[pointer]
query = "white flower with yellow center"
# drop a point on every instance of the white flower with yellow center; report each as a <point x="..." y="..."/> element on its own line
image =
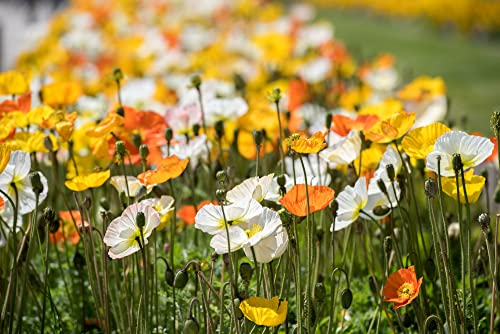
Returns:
<point x="134" y="185"/>
<point x="390" y="157"/>
<point x="350" y="202"/>
<point x="124" y="235"/>
<point x="473" y="150"/>
<point x="210" y="218"/>
<point x="165" y="208"/>
<point x="15" y="179"/>
<point x="345" y="151"/>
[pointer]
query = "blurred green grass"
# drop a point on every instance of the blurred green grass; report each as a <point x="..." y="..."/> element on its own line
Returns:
<point x="471" y="68"/>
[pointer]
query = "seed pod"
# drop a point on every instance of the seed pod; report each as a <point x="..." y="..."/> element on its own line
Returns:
<point x="181" y="279"/>
<point x="346" y="298"/>
<point x="191" y="326"/>
<point x="319" y="292"/>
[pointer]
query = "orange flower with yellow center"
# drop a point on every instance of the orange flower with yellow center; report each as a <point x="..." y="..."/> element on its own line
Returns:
<point x="169" y="168"/>
<point x="302" y="144"/>
<point x="402" y="287"/>
<point x="295" y="201"/>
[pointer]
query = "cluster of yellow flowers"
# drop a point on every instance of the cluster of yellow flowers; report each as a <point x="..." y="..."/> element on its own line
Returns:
<point x="467" y="15"/>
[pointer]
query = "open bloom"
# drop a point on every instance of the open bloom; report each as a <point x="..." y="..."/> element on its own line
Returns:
<point x="165" y="208"/>
<point x="124" y="235"/>
<point x="134" y="185"/>
<point x="419" y="142"/>
<point x="402" y="287"/>
<point x="302" y="144"/>
<point x="474" y="185"/>
<point x="345" y="151"/>
<point x="473" y="150"/>
<point x="265" y="312"/>
<point x="391" y="128"/>
<point x="169" y="168"/>
<point x="255" y="187"/>
<point x="15" y="179"/>
<point x="350" y="202"/>
<point x="295" y="201"/>
<point x="84" y="182"/>
<point x="390" y="157"/>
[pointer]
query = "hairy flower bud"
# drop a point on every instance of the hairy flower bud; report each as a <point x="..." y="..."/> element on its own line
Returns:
<point x="47" y="143"/>
<point x="381" y="210"/>
<point x="381" y="186"/>
<point x="49" y="215"/>
<point x="140" y="219"/>
<point x="181" y="279"/>
<point x="120" y="148"/>
<point x="169" y="134"/>
<point x="191" y="326"/>
<point x="328" y="121"/>
<point x="484" y="221"/>
<point x="120" y="111"/>
<point x="388" y="245"/>
<point x="246" y="272"/>
<point x="219" y="128"/>
<point x="196" y="129"/>
<point x="457" y="162"/>
<point x="136" y="139"/>
<point x="144" y="151"/>
<point x="319" y="292"/>
<point x="196" y="81"/>
<point x="275" y="95"/>
<point x="117" y="74"/>
<point x="78" y="261"/>
<point x="430" y="188"/>
<point x="258" y="137"/>
<point x="391" y="173"/>
<point x="346" y="298"/>
<point x="36" y="183"/>
<point x="169" y="276"/>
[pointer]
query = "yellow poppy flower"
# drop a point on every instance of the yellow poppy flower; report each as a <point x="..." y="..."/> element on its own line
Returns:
<point x="382" y="110"/>
<point x="5" y="151"/>
<point x="423" y="87"/>
<point x="370" y="158"/>
<point x="61" y="93"/>
<point x="84" y="182"/>
<point x="107" y="125"/>
<point x="391" y="128"/>
<point x="418" y="143"/>
<point x="265" y="312"/>
<point x="474" y="184"/>
<point x="13" y="83"/>
<point x="302" y="144"/>
<point x="33" y="141"/>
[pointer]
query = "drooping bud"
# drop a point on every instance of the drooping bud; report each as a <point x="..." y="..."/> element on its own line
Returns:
<point x="191" y="326"/>
<point x="319" y="292"/>
<point x="87" y="202"/>
<point x="407" y="320"/>
<point x="181" y="279"/>
<point x="246" y="272"/>
<point x="346" y="298"/>
<point x="430" y="188"/>
<point x="381" y="210"/>
<point x="36" y="183"/>
<point x="169" y="276"/>
<point x="140" y="219"/>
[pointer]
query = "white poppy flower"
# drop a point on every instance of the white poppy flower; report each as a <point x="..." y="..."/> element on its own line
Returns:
<point x="316" y="70"/>
<point x="473" y="150"/>
<point x="390" y="157"/>
<point x="134" y="185"/>
<point x="164" y="206"/>
<point x="224" y="109"/>
<point x="254" y="187"/>
<point x="195" y="150"/>
<point x="428" y="111"/>
<point x="210" y="218"/>
<point x="238" y="238"/>
<point x="345" y="151"/>
<point x="123" y="233"/>
<point x="376" y="198"/>
<point x="314" y="168"/>
<point x="350" y="202"/>
<point x="17" y="172"/>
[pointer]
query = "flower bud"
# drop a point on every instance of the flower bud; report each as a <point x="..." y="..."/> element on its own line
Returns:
<point x="319" y="292"/>
<point x="239" y="82"/>
<point x="181" y="279"/>
<point x="191" y="326"/>
<point x="381" y="210"/>
<point x="346" y="298"/>
<point x="47" y="143"/>
<point x="238" y="313"/>
<point x="281" y="180"/>
<point x="169" y="134"/>
<point x="117" y="74"/>
<point x="430" y="188"/>
<point x="196" y="129"/>
<point x="257" y="137"/>
<point x="120" y="111"/>
<point x="54" y="225"/>
<point x="87" y="202"/>
<point x="391" y="173"/>
<point x="454" y="231"/>
<point x="381" y="186"/>
<point x="495" y="122"/>
<point x="36" y="183"/>
<point x="49" y="215"/>
<point x="328" y="121"/>
<point x="103" y="202"/>
<point x="140" y="219"/>
<point x="144" y="151"/>
<point x="136" y="139"/>
<point x="388" y="245"/>
<point x="407" y="320"/>
<point x="221" y="176"/>
<point x="120" y="148"/>
<point x="457" y="162"/>
<point x="219" y="128"/>
<point x="246" y="272"/>
<point x="484" y="221"/>
<point x="196" y="81"/>
<point x="78" y="261"/>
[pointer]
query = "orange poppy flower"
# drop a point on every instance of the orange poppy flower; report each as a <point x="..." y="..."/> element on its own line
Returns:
<point x="169" y="168"/>
<point x="342" y="125"/>
<point x="295" y="200"/>
<point x="314" y="144"/>
<point x="61" y="93"/>
<point x="22" y="103"/>
<point x="494" y="154"/>
<point x="187" y="213"/>
<point x="391" y="128"/>
<point x="297" y="93"/>
<point x="402" y="287"/>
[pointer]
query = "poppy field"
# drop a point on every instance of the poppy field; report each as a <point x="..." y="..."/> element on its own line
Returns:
<point x="231" y="167"/>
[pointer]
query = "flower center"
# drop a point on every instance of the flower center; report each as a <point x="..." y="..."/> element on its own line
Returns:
<point x="253" y="230"/>
<point x="406" y="290"/>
